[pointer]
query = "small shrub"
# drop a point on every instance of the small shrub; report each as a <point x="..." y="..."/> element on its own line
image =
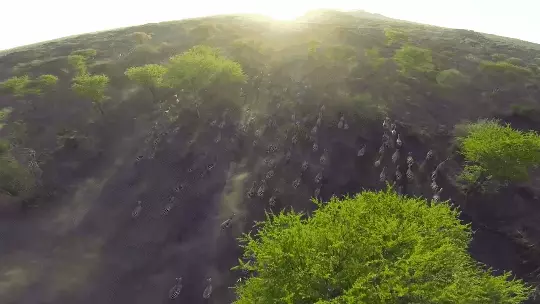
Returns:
<point x="375" y="247"/>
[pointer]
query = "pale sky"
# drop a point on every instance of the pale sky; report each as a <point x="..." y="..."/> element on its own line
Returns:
<point x="30" y="21"/>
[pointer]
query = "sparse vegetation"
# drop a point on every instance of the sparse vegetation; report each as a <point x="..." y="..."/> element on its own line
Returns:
<point x="375" y="247"/>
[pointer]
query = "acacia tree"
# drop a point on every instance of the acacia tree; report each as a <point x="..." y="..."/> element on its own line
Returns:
<point x="203" y="73"/>
<point x="413" y="59"/>
<point x="78" y="63"/>
<point x="92" y="87"/>
<point x="497" y="151"/>
<point x="23" y="85"/>
<point x="150" y="76"/>
<point x="375" y="247"/>
<point x="16" y="85"/>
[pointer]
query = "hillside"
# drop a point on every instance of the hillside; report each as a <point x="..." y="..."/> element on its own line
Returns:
<point x="296" y="111"/>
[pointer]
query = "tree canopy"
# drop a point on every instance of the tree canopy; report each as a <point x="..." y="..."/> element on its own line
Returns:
<point x="92" y="87"/>
<point x="413" y="59"/>
<point x="150" y="76"/>
<point x="204" y="68"/>
<point x="375" y="247"/>
<point x="502" y="152"/>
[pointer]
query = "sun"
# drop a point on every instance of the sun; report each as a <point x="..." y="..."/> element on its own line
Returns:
<point x="284" y="15"/>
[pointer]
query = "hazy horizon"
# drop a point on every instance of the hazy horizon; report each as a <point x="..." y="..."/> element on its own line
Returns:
<point x="60" y="18"/>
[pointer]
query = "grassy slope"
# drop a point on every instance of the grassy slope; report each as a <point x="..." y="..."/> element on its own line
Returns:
<point x="84" y="218"/>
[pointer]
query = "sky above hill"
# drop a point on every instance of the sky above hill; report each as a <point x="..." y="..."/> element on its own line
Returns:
<point x="30" y="21"/>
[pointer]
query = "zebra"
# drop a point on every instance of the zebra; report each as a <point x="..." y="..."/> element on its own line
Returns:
<point x="315" y="147"/>
<point x="305" y="166"/>
<point x="272" y="201"/>
<point x="208" y="290"/>
<point x="296" y="183"/>
<point x="262" y="189"/>
<point x="410" y="174"/>
<point x="270" y="174"/>
<point x="377" y="162"/>
<point x="437" y="195"/>
<point x="251" y="191"/>
<point x="135" y="213"/>
<point x="362" y="151"/>
<point x="410" y="160"/>
<point x="382" y="176"/>
<point x="395" y="156"/>
<point x="288" y="156"/>
<point x="227" y="223"/>
<point x="318" y="177"/>
<point x="218" y="138"/>
<point x="174" y="292"/>
<point x="399" y="142"/>
<point x="316" y="192"/>
<point x="398" y="174"/>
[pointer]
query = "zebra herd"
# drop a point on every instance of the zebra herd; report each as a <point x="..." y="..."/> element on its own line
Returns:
<point x="281" y="154"/>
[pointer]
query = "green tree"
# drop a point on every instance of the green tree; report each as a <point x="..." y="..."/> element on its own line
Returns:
<point x="92" y="87"/>
<point x="42" y="84"/>
<point x="78" y="63"/>
<point x="141" y="37"/>
<point x="375" y="247"/>
<point x="375" y="60"/>
<point x="150" y="76"/>
<point x="500" y="151"/>
<point x="202" y="70"/>
<point x="86" y="53"/>
<point x="413" y="59"/>
<point x="18" y="86"/>
<point x="395" y="36"/>
<point x="451" y="78"/>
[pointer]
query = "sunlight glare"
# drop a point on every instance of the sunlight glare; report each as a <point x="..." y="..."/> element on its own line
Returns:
<point x="284" y="15"/>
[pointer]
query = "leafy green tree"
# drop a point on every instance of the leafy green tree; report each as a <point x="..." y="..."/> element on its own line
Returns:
<point x="395" y="36"/>
<point x="141" y="37"/>
<point x="18" y="86"/>
<point x="375" y="60"/>
<point x="86" y="53"/>
<point x="506" y="68"/>
<point x="202" y="70"/>
<point x="375" y="247"/>
<point x="150" y="76"/>
<point x="42" y="84"/>
<point x="500" y="151"/>
<point x="78" y="63"/>
<point x="92" y="87"/>
<point x="413" y="59"/>
<point x="451" y="78"/>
